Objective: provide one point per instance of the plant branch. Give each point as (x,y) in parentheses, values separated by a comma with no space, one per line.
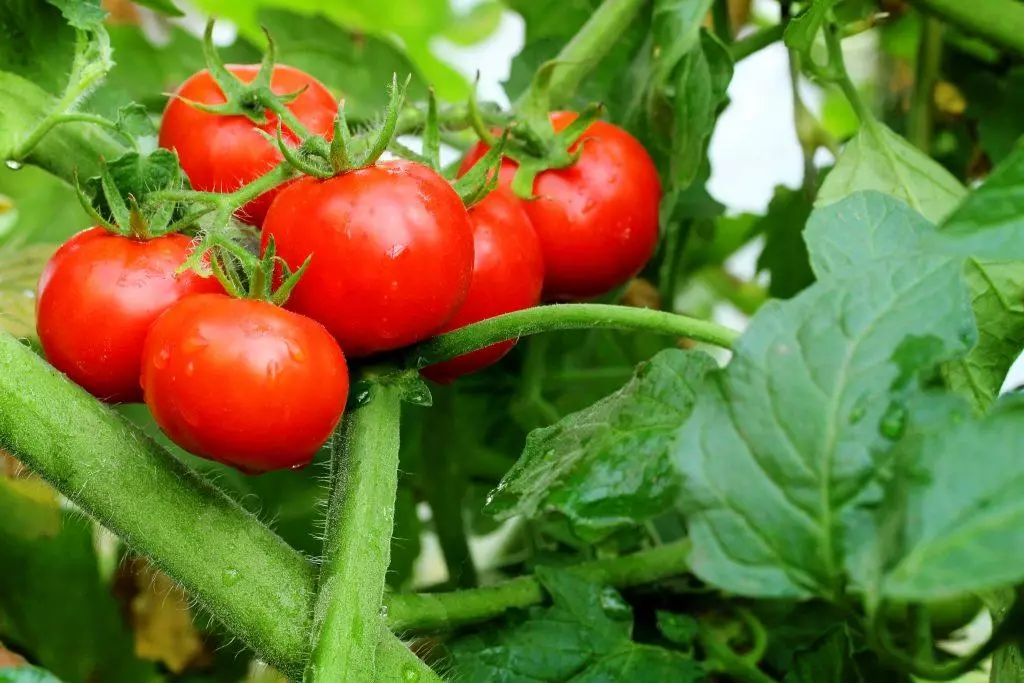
(587,48)
(920,120)
(237,568)
(999,21)
(357,545)
(722,21)
(429,611)
(565,317)
(757,41)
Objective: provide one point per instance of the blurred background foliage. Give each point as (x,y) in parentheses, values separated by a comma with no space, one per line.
(75,601)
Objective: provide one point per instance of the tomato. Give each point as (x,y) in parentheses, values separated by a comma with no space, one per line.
(508,274)
(597,220)
(223,153)
(244,382)
(96,299)
(392,250)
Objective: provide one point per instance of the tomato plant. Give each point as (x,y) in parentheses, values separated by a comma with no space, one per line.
(684,427)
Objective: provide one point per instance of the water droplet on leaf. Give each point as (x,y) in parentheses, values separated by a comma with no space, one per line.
(614,606)
(894,422)
(12,164)
(229,577)
(410,674)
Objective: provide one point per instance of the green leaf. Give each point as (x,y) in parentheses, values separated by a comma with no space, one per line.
(134,120)
(675,28)
(785,252)
(53,599)
(833,658)
(956,492)
(879,159)
(606,467)
(43,208)
(867,226)
(38,44)
(135,174)
(476,25)
(681,629)
(27,674)
(83,14)
(19,272)
(583,636)
(801,31)
(780,442)
(697,93)
(163,6)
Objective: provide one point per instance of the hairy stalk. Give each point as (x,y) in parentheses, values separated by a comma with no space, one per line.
(998,21)
(237,568)
(566,317)
(357,545)
(588,47)
(430,611)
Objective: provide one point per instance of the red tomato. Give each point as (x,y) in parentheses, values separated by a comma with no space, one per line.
(222,153)
(97,297)
(508,273)
(597,220)
(244,382)
(392,250)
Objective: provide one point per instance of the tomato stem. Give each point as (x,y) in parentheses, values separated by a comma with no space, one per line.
(434,611)
(347,620)
(998,21)
(566,317)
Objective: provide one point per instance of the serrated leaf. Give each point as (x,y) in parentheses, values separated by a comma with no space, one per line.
(133,119)
(958,492)
(801,31)
(583,636)
(879,159)
(83,14)
(868,226)
(832,658)
(607,467)
(779,445)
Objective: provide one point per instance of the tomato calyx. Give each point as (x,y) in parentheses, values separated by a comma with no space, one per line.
(251,100)
(119,198)
(534,143)
(242,273)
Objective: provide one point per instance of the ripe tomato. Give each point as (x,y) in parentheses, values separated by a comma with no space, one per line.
(244,382)
(508,274)
(598,219)
(222,153)
(392,250)
(96,299)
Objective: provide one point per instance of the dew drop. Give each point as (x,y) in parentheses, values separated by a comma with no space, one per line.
(295,351)
(410,674)
(419,395)
(164,355)
(229,577)
(363,397)
(384,611)
(614,606)
(397,250)
(894,422)
(190,369)
(12,164)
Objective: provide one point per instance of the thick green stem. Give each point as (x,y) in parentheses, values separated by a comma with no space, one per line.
(588,47)
(447,490)
(566,317)
(357,543)
(999,21)
(236,567)
(929,59)
(722,21)
(429,611)
(755,42)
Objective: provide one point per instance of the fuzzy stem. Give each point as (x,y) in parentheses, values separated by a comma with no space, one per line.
(566,317)
(237,568)
(588,47)
(430,611)
(999,21)
(357,545)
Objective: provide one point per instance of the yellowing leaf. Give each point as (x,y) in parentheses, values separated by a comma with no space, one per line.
(164,631)
(19,271)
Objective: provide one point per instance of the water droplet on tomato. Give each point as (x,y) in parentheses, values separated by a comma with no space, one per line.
(397,250)
(190,369)
(300,466)
(273,370)
(12,164)
(162,356)
(229,577)
(194,343)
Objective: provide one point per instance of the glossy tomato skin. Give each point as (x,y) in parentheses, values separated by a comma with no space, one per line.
(222,153)
(244,382)
(508,274)
(597,220)
(97,297)
(392,250)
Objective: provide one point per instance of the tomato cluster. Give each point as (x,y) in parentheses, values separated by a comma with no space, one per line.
(394,258)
